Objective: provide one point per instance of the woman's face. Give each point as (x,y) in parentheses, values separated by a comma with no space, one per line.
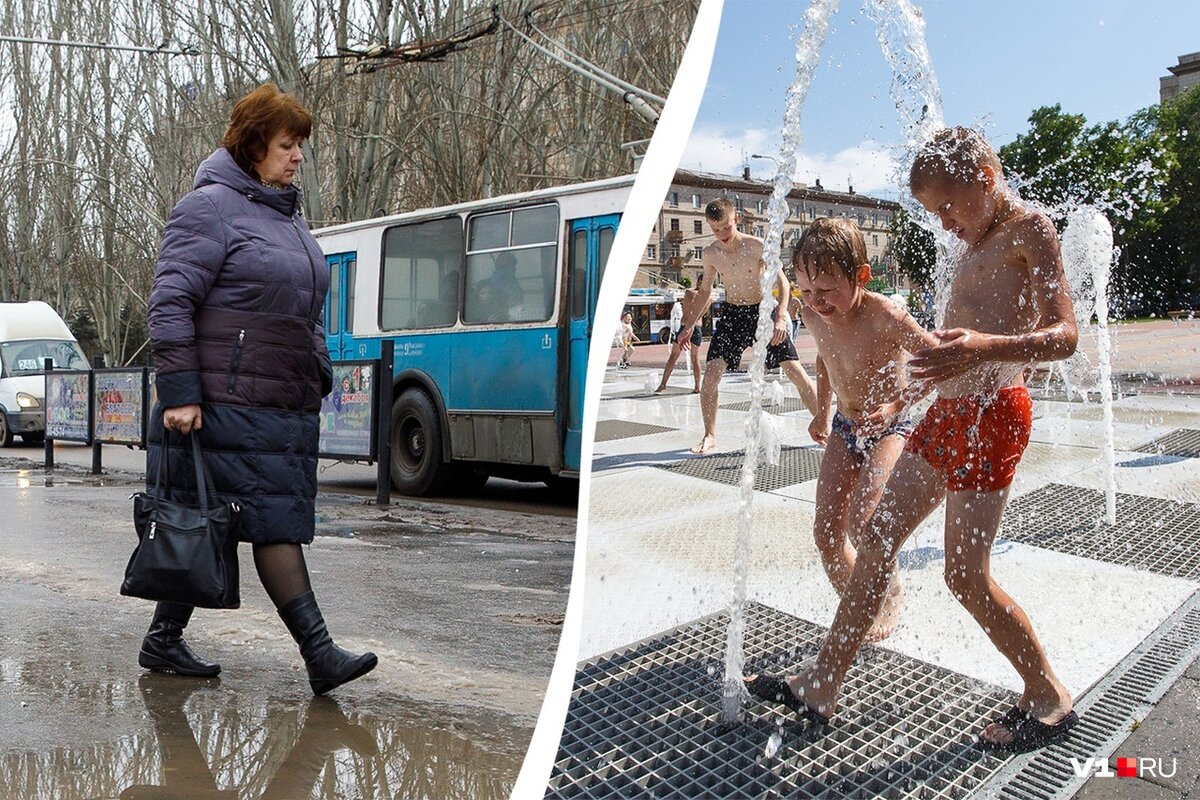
(283,157)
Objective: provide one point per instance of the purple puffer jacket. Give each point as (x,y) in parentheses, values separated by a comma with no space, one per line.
(236,325)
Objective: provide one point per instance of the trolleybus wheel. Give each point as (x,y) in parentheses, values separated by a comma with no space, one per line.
(417,467)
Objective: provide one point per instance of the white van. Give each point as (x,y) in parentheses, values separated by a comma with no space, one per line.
(30,333)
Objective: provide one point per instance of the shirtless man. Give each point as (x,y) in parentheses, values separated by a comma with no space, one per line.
(736,259)
(1009,307)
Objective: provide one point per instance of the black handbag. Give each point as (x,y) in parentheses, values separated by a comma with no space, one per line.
(184,554)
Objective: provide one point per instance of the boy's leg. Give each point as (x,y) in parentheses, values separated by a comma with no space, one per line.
(972,520)
(867,492)
(913,491)
(694,354)
(803,382)
(835,485)
(713,370)
(670,366)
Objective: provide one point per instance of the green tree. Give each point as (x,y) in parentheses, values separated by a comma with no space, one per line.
(914,250)
(1119,167)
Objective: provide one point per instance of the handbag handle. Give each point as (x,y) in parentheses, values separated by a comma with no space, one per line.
(204,483)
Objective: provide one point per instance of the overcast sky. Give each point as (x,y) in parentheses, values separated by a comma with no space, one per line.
(995,63)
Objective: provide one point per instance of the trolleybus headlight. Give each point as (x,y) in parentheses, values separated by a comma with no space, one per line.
(26,400)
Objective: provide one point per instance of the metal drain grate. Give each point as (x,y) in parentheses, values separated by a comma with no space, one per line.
(608,430)
(788,405)
(796,465)
(1181,442)
(644,722)
(642,394)
(1160,536)
(1107,712)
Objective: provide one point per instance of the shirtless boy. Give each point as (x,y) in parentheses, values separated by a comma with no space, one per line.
(690,297)
(737,259)
(861,338)
(1009,306)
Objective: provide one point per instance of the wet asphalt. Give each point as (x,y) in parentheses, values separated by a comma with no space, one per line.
(463,604)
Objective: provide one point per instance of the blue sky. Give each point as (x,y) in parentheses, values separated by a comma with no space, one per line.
(995,62)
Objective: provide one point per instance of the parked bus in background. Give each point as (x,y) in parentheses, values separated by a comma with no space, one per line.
(491,306)
(651,309)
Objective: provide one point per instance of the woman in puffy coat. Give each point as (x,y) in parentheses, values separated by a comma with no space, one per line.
(238,346)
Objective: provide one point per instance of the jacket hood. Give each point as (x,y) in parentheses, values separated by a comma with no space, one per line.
(220,168)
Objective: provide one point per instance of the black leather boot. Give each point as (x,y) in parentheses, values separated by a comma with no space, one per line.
(164,649)
(329,666)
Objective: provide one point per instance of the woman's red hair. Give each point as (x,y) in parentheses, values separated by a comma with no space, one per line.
(256,118)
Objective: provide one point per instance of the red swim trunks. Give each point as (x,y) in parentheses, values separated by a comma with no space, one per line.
(976,441)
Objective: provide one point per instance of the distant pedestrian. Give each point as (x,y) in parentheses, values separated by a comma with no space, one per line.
(238,344)
(625,338)
(676,319)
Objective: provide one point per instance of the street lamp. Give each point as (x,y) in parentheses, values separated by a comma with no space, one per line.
(768,158)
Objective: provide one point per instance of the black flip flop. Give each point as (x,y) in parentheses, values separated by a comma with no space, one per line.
(1031,733)
(775,689)
(1011,718)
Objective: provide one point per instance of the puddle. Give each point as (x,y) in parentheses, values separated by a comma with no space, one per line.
(197,739)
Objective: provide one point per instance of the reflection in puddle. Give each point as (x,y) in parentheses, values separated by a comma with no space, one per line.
(207,744)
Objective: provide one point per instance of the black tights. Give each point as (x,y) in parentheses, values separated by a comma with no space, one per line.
(282,570)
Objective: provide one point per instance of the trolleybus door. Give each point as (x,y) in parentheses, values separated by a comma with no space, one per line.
(339,306)
(590,242)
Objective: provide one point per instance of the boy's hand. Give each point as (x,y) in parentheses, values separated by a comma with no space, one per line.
(819,429)
(782,328)
(960,350)
(685,338)
(878,420)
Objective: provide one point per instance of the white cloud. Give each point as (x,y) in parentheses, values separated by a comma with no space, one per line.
(870,164)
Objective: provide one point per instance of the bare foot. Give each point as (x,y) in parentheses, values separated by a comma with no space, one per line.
(661,389)
(696,390)
(889,613)
(706,444)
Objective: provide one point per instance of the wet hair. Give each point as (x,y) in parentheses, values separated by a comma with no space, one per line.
(830,245)
(256,118)
(953,154)
(718,210)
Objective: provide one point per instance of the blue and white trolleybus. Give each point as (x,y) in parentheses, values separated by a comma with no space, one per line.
(491,306)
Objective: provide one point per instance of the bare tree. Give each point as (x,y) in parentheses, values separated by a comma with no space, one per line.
(103,143)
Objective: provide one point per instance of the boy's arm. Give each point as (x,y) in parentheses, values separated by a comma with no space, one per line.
(782,328)
(820,426)
(1054,336)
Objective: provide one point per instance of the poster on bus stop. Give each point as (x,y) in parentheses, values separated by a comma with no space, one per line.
(68,406)
(119,412)
(347,418)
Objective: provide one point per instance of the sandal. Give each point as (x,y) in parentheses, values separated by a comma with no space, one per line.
(1031,733)
(775,689)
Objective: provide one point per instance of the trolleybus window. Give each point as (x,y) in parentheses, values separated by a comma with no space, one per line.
(333,324)
(512,266)
(351,270)
(421,267)
(579,275)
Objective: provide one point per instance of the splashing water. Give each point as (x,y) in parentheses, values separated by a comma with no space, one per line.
(900,29)
(808,51)
(1087,250)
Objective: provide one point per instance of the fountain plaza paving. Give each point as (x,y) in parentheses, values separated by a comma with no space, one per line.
(1117,608)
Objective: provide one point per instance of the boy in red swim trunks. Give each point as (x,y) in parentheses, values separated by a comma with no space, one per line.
(1009,306)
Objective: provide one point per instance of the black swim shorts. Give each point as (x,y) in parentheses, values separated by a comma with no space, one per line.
(735,332)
